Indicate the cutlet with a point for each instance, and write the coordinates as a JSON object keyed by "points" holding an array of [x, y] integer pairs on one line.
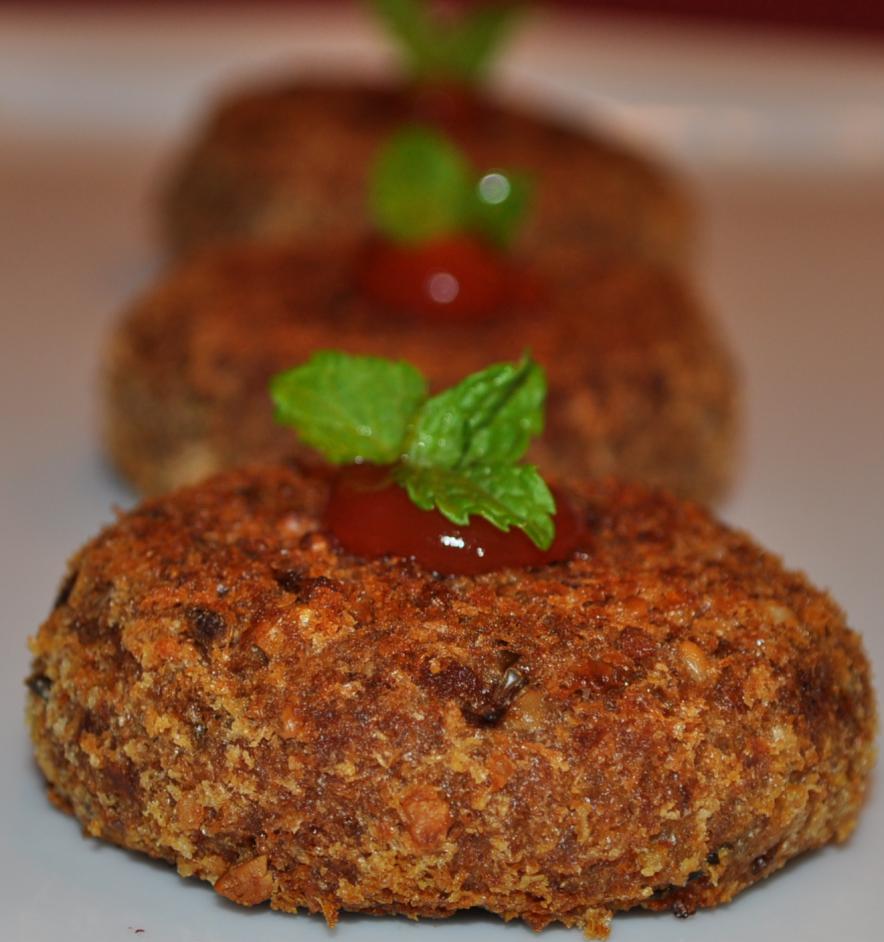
{"points": [[642, 386], [291, 161], [660, 721]]}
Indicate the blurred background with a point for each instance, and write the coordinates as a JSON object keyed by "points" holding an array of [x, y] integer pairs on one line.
{"points": [[858, 16], [799, 79], [772, 112]]}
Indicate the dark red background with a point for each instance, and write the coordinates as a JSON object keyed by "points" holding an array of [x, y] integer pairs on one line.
{"points": [[849, 15], [862, 17]]}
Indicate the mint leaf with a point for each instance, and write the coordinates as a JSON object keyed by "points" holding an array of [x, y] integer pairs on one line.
{"points": [[409, 22], [419, 187], [489, 418], [505, 495], [499, 202], [473, 40], [457, 47], [350, 408]]}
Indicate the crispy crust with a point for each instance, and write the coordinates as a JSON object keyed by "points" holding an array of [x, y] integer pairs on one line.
{"points": [[291, 161], [220, 687], [640, 384]]}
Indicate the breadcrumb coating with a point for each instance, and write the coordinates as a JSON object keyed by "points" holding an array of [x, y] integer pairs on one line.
{"points": [[661, 721]]}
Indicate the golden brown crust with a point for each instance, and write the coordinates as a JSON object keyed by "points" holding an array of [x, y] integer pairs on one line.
{"points": [[220, 687], [640, 384], [291, 161]]}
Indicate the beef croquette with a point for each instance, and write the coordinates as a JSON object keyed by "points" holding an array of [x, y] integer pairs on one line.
{"points": [[290, 162], [640, 383], [660, 721]]}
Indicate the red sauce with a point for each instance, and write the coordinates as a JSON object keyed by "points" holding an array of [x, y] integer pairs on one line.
{"points": [[372, 516], [452, 279]]}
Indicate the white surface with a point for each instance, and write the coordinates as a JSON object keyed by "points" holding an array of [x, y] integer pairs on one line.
{"points": [[792, 262]]}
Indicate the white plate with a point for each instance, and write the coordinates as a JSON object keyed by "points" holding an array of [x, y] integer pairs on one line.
{"points": [[785, 143]]}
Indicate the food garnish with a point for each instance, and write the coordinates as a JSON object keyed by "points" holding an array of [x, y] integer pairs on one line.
{"points": [[451, 45], [458, 452], [423, 187], [442, 230]]}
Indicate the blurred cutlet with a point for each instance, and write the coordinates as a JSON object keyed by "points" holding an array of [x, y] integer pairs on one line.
{"points": [[641, 385], [290, 161]]}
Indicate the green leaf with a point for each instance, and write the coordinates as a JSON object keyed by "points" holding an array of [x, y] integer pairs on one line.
{"points": [[455, 47], [487, 419], [420, 186], [350, 408], [505, 495], [499, 202], [473, 41], [408, 21]]}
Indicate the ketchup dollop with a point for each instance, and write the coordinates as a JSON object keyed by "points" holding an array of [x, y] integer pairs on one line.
{"points": [[373, 516], [454, 279]]}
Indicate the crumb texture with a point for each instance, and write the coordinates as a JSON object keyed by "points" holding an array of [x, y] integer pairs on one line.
{"points": [[660, 722]]}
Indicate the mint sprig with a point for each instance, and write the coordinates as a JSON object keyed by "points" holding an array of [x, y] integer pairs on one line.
{"points": [[422, 187], [454, 47], [458, 452]]}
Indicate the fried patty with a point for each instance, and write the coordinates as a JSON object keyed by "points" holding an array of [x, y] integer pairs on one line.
{"points": [[661, 721], [640, 383], [292, 160]]}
